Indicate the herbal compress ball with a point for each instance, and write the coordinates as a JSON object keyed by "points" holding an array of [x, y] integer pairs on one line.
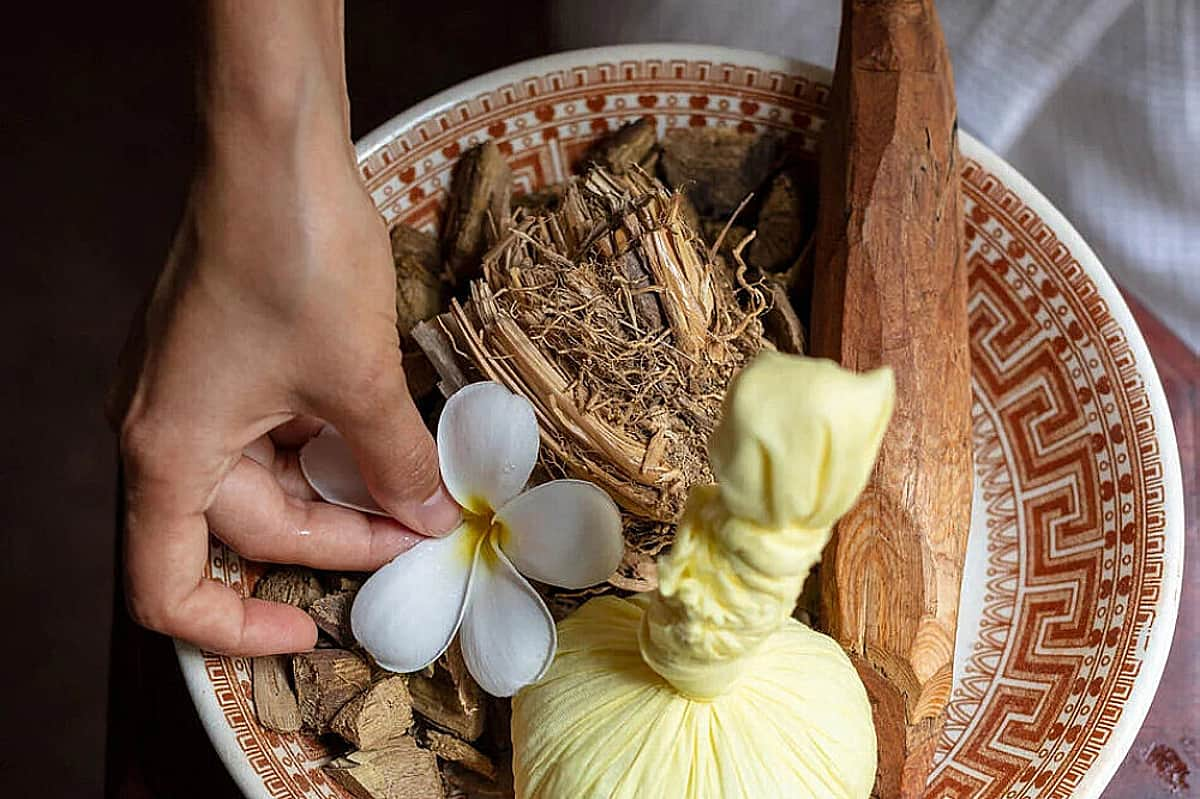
{"points": [[707, 687]]}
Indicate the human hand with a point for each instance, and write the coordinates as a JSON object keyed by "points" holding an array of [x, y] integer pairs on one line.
{"points": [[275, 310]]}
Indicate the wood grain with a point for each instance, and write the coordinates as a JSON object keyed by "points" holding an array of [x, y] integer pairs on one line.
{"points": [[890, 288]]}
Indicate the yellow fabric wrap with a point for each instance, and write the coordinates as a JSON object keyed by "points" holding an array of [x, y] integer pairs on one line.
{"points": [[707, 687]]}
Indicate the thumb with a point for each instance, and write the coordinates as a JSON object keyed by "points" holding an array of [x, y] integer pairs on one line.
{"points": [[393, 449]]}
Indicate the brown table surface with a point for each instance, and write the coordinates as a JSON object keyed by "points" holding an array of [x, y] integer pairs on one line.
{"points": [[157, 747]]}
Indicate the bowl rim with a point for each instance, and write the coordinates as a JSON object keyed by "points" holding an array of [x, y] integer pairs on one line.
{"points": [[1157, 643]]}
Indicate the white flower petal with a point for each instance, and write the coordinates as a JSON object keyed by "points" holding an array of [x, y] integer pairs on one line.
{"points": [[508, 637], [565, 533], [407, 612], [329, 467], [487, 441]]}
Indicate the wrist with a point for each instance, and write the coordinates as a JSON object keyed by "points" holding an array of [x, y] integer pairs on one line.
{"points": [[272, 86], [294, 136]]}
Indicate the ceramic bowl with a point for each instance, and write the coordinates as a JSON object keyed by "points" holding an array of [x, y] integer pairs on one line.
{"points": [[1073, 573]]}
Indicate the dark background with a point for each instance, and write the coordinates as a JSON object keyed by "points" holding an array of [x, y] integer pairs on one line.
{"points": [[96, 135]]}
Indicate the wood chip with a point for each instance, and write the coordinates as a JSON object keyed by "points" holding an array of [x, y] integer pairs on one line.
{"points": [[630, 145], [452, 748], [291, 585], [782, 226], [420, 291], [647, 308], [479, 207], [401, 771], [451, 698], [638, 571], [462, 783], [780, 323], [378, 715], [541, 201], [326, 680], [717, 167], [332, 614], [274, 699], [341, 581], [419, 373], [439, 349]]}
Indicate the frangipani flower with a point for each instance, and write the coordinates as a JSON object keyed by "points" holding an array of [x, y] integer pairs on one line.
{"points": [[565, 532]]}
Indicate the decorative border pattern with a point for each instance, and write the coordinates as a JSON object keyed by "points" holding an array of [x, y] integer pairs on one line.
{"points": [[973, 680], [1066, 453], [1054, 368]]}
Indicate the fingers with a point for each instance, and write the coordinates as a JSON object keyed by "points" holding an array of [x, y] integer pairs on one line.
{"points": [[216, 618], [257, 518], [166, 548], [395, 452]]}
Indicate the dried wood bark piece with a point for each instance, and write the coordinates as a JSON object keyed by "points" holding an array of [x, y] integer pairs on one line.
{"points": [[335, 582], [451, 698], [542, 201], [462, 783], [327, 679], [631, 144], [890, 288], [781, 227], [419, 374], [647, 308], [438, 347], [479, 207], [780, 323], [638, 571], [456, 750], [420, 292], [291, 585], [332, 615], [401, 771], [275, 701], [717, 167], [378, 715], [562, 602]]}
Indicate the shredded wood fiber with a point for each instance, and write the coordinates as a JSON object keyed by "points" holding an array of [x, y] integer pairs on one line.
{"points": [[622, 328]]}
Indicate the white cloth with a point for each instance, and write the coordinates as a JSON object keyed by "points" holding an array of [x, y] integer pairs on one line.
{"points": [[1097, 102]]}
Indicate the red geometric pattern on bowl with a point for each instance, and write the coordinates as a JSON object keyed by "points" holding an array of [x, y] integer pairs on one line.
{"points": [[1065, 573]]}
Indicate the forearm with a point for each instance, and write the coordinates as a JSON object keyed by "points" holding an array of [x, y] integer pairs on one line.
{"points": [[272, 78]]}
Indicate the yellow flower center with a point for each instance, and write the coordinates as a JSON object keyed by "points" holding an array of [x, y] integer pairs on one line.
{"points": [[478, 528]]}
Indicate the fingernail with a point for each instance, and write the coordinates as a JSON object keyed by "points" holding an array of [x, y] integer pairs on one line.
{"points": [[391, 538], [439, 514]]}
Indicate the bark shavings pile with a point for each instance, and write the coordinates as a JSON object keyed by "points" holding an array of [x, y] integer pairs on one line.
{"points": [[427, 735]]}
